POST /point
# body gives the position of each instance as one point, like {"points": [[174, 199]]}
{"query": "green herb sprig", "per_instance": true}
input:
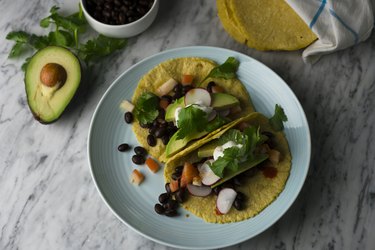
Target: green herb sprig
{"points": [[66, 33], [278, 118], [227, 70], [146, 108], [232, 157]]}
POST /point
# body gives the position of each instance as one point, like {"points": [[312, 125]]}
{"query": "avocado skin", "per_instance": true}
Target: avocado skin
{"points": [[36, 115]]}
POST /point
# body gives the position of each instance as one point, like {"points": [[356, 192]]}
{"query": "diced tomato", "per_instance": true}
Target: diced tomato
{"points": [[163, 103], [217, 89], [187, 79], [173, 185], [274, 156], [152, 165], [188, 173], [137, 177]]}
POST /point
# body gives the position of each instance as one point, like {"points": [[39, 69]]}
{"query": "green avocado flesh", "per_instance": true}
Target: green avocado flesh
{"points": [[208, 149], [48, 103], [174, 145], [219, 101]]}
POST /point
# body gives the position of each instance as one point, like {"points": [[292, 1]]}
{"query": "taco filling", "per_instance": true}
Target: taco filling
{"points": [[183, 100], [235, 174]]}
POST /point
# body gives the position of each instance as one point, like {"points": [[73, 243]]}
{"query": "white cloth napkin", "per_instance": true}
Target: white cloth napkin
{"points": [[338, 24]]}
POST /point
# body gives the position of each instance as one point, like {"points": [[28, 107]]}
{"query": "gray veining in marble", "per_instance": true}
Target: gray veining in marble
{"points": [[47, 197]]}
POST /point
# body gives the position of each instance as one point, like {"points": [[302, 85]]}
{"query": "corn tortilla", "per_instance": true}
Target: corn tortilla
{"points": [[175, 68], [264, 24], [259, 190]]}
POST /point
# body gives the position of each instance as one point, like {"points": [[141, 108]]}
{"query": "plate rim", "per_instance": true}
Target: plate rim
{"points": [[265, 227]]}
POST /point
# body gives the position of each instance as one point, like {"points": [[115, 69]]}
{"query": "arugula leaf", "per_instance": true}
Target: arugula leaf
{"points": [[191, 120], [227, 70], [146, 108], [216, 123], [100, 47], [278, 118]]}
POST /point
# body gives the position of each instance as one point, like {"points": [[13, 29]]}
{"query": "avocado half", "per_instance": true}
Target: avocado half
{"points": [[52, 77]]}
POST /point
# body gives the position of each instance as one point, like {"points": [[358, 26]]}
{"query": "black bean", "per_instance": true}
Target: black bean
{"points": [[171, 205], [140, 151], [161, 113], [122, 18], [123, 147], [177, 95], [186, 88], [217, 190], [160, 132], [151, 141], [170, 212], [240, 196], [179, 169], [152, 130], [210, 85], [165, 139], [176, 176], [163, 198], [180, 195], [239, 205], [138, 159], [128, 117], [237, 181], [159, 208], [167, 188], [178, 87]]}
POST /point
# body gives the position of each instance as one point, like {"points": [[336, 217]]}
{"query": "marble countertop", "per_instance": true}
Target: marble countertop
{"points": [[47, 197]]}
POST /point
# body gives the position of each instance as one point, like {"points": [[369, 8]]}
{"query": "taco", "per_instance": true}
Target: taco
{"points": [[185, 99], [234, 174]]}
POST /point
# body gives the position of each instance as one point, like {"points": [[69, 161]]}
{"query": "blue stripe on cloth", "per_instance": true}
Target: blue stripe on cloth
{"points": [[317, 14], [355, 34]]}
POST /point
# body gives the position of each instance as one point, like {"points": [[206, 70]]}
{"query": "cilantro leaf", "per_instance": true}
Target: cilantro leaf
{"points": [[227, 70], [100, 47], [278, 118], [60, 38], [231, 135], [18, 36], [229, 160], [146, 108], [216, 123], [24, 42], [24, 65], [191, 120]]}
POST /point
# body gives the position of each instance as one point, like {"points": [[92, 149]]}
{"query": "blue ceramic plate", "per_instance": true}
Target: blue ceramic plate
{"points": [[134, 205]]}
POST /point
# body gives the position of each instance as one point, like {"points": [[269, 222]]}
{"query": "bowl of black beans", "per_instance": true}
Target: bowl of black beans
{"points": [[120, 18]]}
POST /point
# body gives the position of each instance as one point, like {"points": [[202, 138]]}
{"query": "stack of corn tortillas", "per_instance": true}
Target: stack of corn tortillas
{"points": [[264, 24]]}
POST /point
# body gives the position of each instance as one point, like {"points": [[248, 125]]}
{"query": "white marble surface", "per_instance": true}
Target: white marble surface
{"points": [[47, 197]]}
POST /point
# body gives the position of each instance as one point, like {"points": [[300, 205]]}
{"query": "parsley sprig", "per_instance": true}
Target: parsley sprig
{"points": [[66, 33]]}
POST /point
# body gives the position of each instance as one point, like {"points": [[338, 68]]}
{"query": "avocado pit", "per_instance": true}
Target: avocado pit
{"points": [[53, 74]]}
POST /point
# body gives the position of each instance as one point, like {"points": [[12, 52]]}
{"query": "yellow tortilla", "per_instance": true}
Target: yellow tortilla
{"points": [[175, 68], [264, 24], [259, 190]]}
